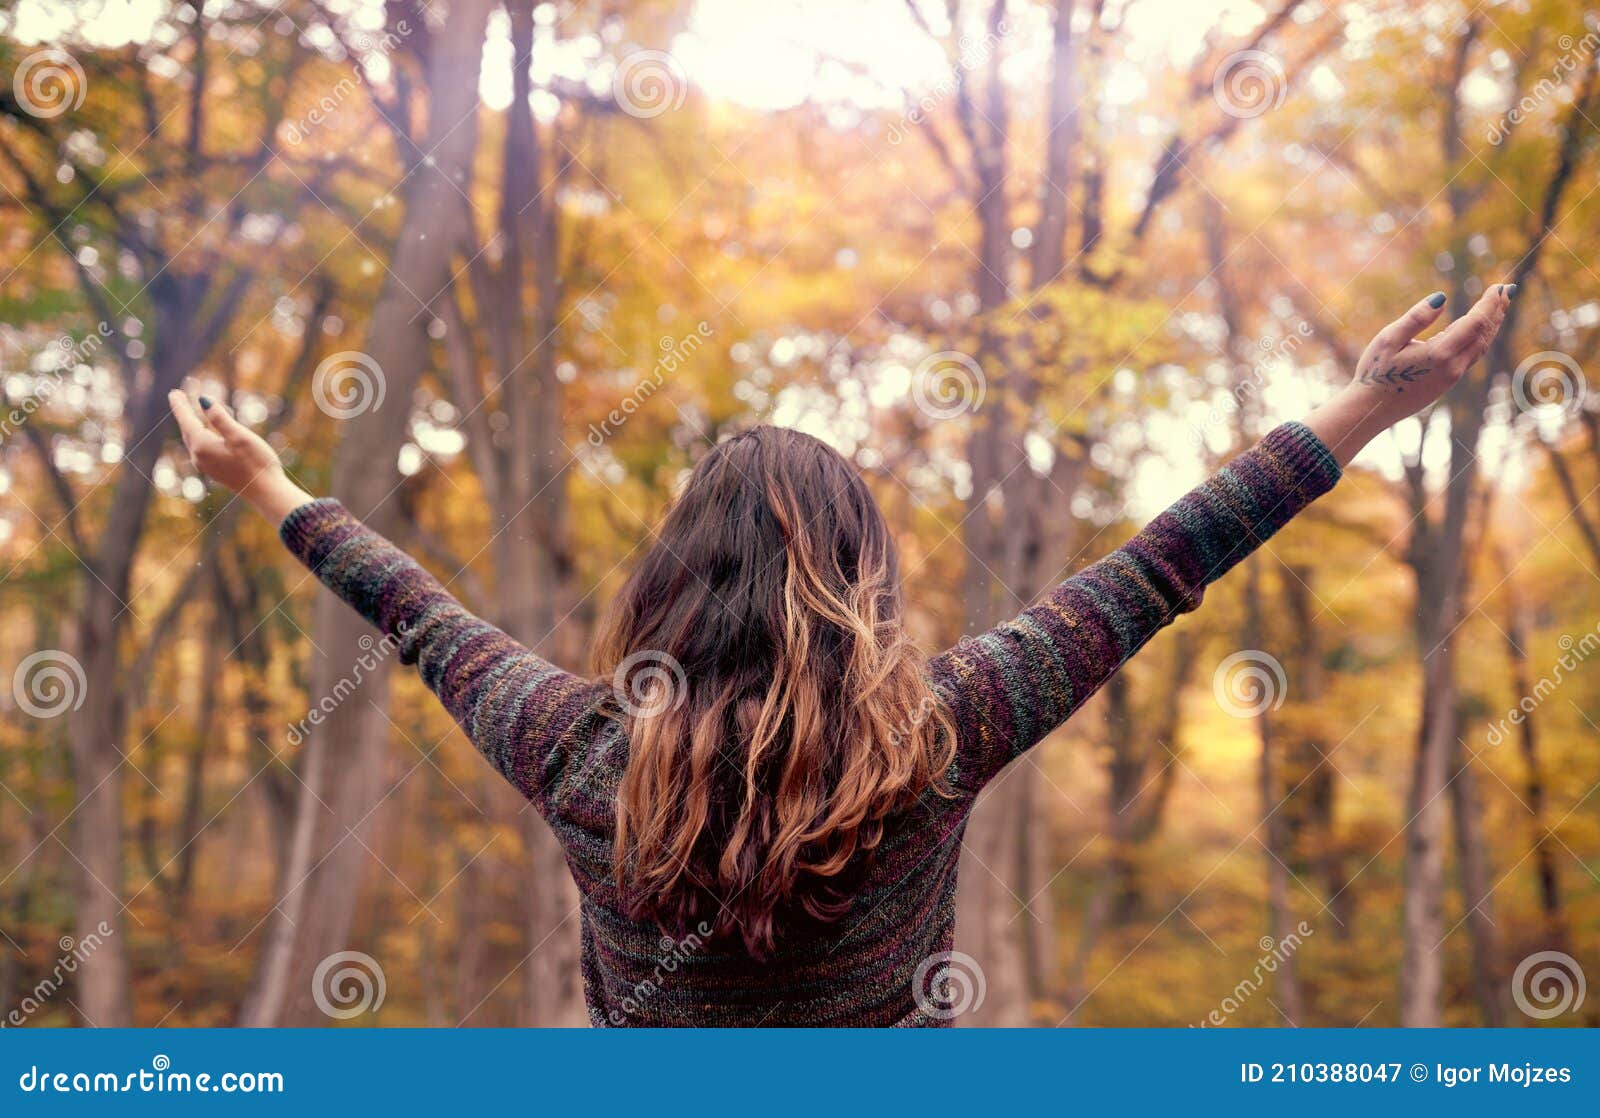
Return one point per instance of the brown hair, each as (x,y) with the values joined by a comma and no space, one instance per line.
(775,708)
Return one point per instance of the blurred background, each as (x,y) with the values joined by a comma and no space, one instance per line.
(496,272)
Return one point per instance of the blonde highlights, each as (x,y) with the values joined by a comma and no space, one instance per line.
(756,797)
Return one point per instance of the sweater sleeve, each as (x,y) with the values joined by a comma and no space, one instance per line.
(1011,686)
(514,705)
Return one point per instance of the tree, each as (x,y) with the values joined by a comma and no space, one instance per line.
(160,247)
(342,766)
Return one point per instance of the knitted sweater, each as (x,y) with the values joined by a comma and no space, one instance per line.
(885,962)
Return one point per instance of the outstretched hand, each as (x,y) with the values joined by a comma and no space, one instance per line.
(1402,375)
(1398,375)
(230,454)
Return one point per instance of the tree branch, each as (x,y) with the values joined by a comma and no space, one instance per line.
(59,487)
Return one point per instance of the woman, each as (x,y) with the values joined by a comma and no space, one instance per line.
(762,793)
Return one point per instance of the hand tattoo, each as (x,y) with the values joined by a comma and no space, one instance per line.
(1393,377)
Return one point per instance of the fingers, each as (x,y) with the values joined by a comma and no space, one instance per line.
(1469,336)
(1395,335)
(189,422)
(219,418)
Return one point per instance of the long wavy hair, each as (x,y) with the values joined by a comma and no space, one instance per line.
(776,710)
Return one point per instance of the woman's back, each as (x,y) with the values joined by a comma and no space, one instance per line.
(857,970)
(765,821)
(882,956)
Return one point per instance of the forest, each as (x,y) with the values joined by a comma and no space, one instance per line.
(497,273)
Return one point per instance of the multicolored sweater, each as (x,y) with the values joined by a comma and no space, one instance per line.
(885,962)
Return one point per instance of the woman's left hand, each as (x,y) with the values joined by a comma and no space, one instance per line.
(1398,374)
(229,453)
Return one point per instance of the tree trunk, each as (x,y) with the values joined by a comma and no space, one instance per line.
(1477,884)
(1280,908)
(1534,781)
(528,496)
(1575,500)
(104,998)
(1435,552)
(987,901)
(1435,555)
(1309,807)
(342,761)
(190,824)
(98,726)
(1136,804)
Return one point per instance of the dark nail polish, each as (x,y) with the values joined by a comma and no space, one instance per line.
(205,401)
(1511,290)
(1436,300)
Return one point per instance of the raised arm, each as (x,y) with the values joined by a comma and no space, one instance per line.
(1014,684)
(1011,686)
(514,705)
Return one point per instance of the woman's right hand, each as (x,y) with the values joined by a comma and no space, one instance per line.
(1399,375)
(229,453)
